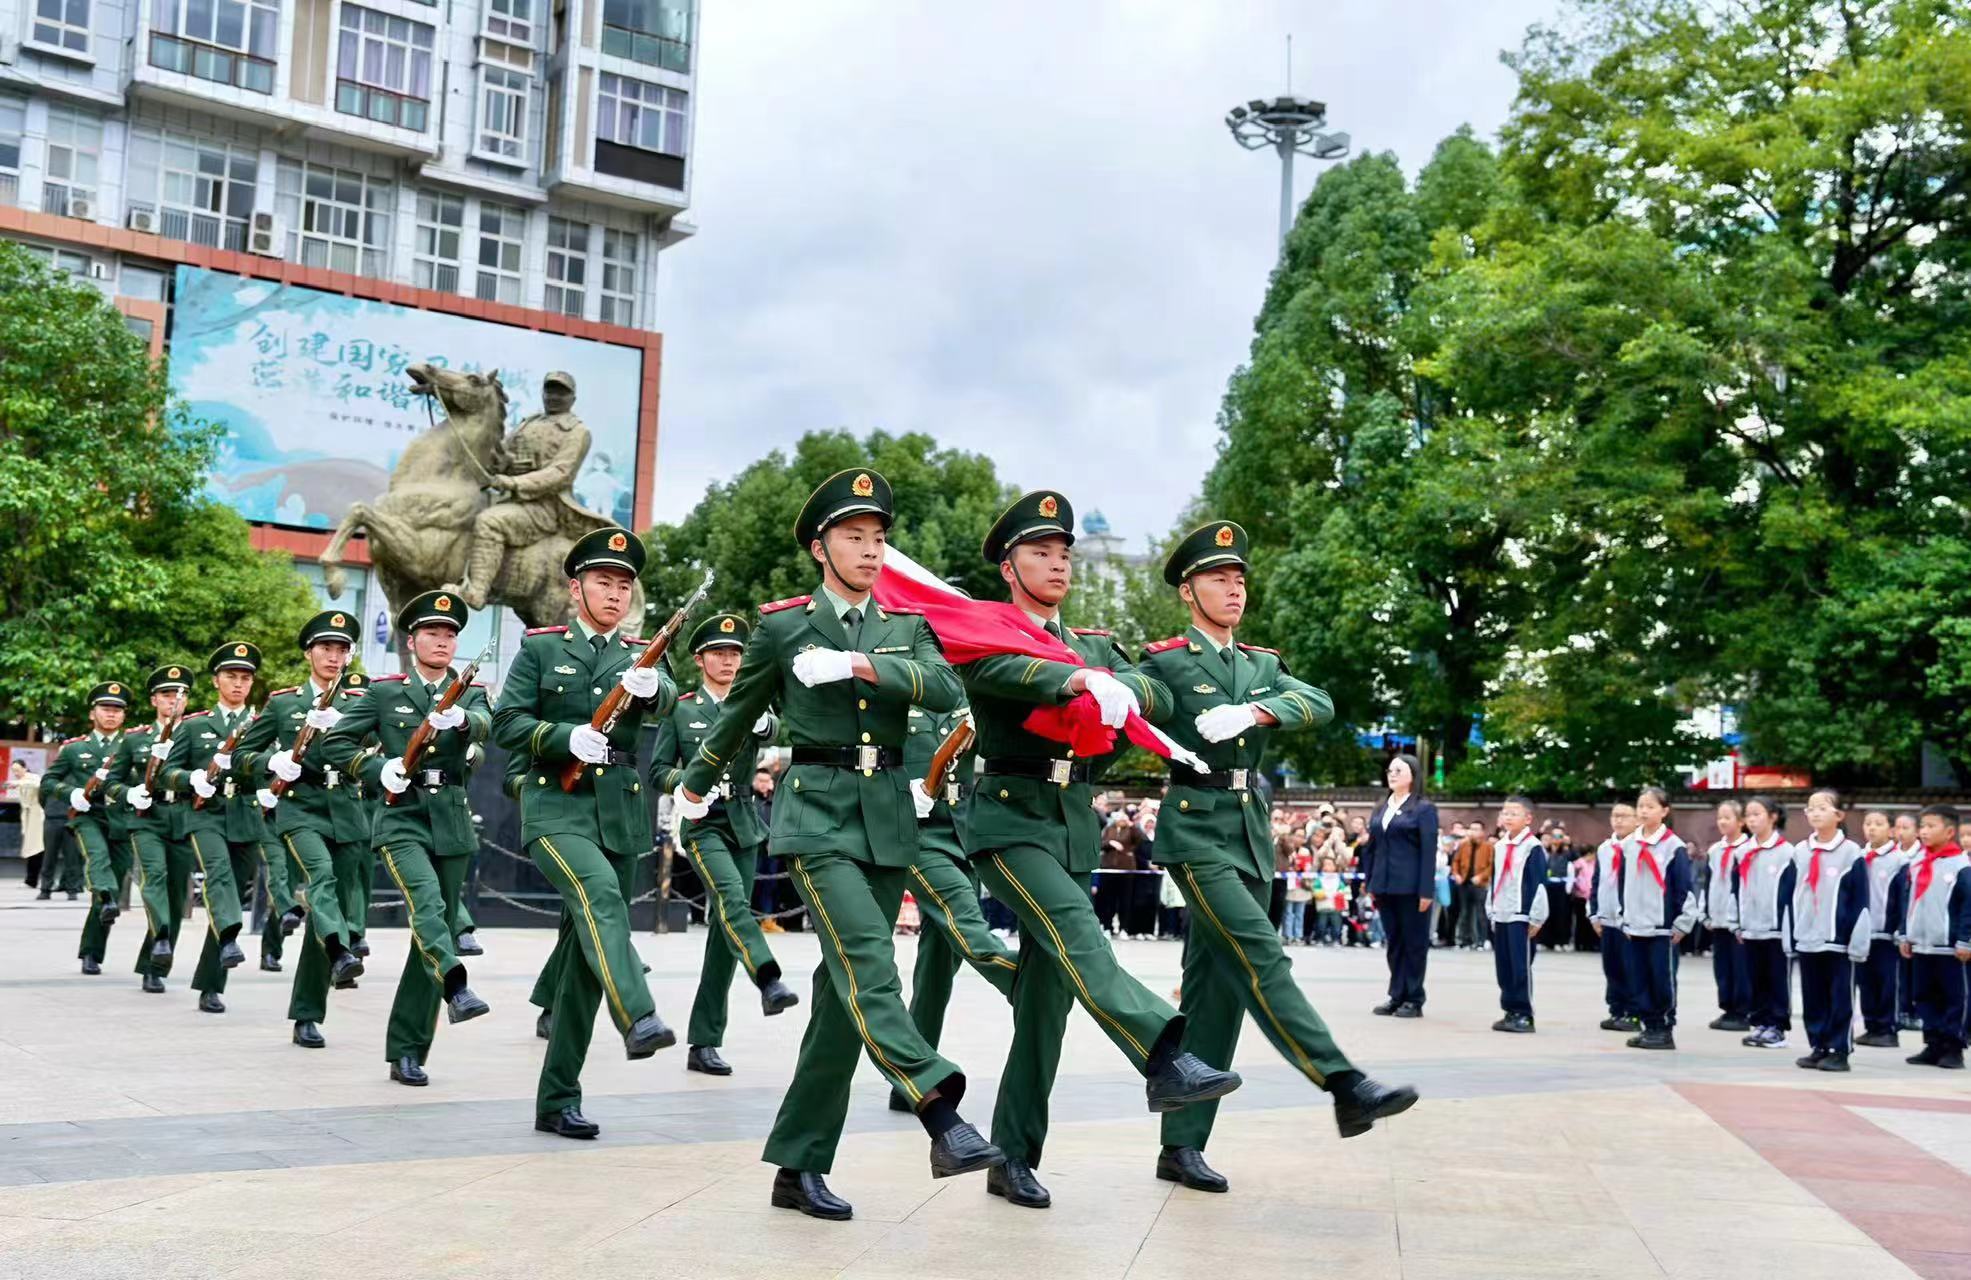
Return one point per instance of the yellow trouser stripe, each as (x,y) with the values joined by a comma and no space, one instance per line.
(595,934)
(137,860)
(951,926)
(1061,953)
(725,921)
(410,910)
(87,882)
(210,922)
(1252,975)
(855,1009)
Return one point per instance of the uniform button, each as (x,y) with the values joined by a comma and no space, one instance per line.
(862,704)
(1243,797)
(1242,742)
(596,692)
(1002,793)
(542,781)
(865,737)
(598,771)
(1183,804)
(636,786)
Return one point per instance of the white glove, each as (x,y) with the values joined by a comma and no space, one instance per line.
(393,778)
(323,719)
(449,718)
(266,798)
(285,766)
(688,809)
(763,725)
(77,801)
(1228,721)
(202,785)
(639,682)
(1113,697)
(224,759)
(923,800)
(139,797)
(823,666)
(588,745)
(159,750)
(102,774)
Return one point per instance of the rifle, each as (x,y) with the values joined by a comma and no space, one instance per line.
(618,698)
(164,732)
(95,782)
(954,745)
(422,736)
(225,748)
(279,786)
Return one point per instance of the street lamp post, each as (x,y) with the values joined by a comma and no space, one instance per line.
(1291,126)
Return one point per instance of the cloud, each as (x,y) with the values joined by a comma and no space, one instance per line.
(1019,227)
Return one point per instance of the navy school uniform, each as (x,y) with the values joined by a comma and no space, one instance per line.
(1905,965)
(1830,928)
(1721,918)
(1937,923)
(1763,889)
(1605,909)
(1516,904)
(1658,899)
(1879,976)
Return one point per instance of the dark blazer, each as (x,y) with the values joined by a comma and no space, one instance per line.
(1403,859)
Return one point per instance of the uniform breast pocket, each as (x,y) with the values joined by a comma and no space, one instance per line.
(1194,799)
(805,803)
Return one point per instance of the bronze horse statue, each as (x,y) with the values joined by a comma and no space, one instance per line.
(419,532)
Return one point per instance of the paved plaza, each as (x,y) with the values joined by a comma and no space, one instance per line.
(139,1138)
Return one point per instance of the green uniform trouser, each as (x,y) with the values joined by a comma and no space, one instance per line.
(164,877)
(430,886)
(592,959)
(549,977)
(858,1003)
(328,872)
(280,896)
(67,864)
(1235,964)
(108,862)
(357,906)
(954,932)
(1065,956)
(222,906)
(462,921)
(243,870)
(732,935)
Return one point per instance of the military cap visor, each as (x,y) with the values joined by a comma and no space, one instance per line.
(329,624)
(566,381)
(845,494)
(611,548)
(720,631)
(235,655)
(1040,514)
(433,608)
(173,676)
(1210,546)
(111,693)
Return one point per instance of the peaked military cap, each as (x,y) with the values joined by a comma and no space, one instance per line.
(171,676)
(720,631)
(1209,546)
(1040,514)
(558,378)
(860,492)
(610,548)
(329,624)
(433,606)
(110,693)
(237,655)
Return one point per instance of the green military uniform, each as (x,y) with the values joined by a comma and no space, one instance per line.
(1215,837)
(724,846)
(586,841)
(162,859)
(321,822)
(94,832)
(426,839)
(844,822)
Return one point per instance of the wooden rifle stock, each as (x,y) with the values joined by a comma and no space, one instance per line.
(153,764)
(279,786)
(225,748)
(618,698)
(422,736)
(955,744)
(94,783)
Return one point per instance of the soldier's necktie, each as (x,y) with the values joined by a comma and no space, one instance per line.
(852,625)
(1053,626)
(596,643)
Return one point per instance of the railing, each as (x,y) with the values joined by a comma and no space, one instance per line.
(55,198)
(212,230)
(381,105)
(10,188)
(211,62)
(338,255)
(641,46)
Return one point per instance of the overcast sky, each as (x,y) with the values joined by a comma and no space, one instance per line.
(1020,227)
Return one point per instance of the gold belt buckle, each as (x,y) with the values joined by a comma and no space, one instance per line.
(1060,771)
(229,789)
(171,797)
(951,794)
(1239,780)
(331,778)
(868,758)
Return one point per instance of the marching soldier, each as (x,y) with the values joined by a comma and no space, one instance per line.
(954,930)
(1215,839)
(156,839)
(425,837)
(320,819)
(76,763)
(587,841)
(1032,832)
(844,672)
(725,845)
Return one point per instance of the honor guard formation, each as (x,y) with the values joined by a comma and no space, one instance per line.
(935,748)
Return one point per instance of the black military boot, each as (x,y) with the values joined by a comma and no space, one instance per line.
(1187,1165)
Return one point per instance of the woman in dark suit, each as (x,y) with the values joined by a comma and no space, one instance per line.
(1402,857)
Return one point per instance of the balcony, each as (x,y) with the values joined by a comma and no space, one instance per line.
(210,62)
(381,105)
(656,33)
(66,201)
(642,46)
(214,231)
(10,188)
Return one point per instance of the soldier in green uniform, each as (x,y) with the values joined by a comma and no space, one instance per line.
(76,762)
(1033,834)
(157,849)
(845,672)
(198,768)
(320,820)
(465,931)
(1215,837)
(587,841)
(725,845)
(426,837)
(946,887)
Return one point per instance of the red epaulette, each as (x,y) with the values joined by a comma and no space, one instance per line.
(691,696)
(906,610)
(1090,631)
(388,679)
(547,631)
(1258,648)
(79,737)
(634,640)
(354,693)
(793,602)
(1175,642)
(278,692)
(478,684)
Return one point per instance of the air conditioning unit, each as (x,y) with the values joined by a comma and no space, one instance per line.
(264,238)
(263,222)
(82,207)
(143,221)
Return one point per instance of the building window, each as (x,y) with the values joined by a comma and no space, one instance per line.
(141,283)
(440,234)
(618,277)
(383,68)
(62,24)
(510,20)
(196,190)
(76,264)
(649,117)
(335,218)
(13,123)
(225,41)
(503,112)
(567,265)
(654,31)
(502,236)
(75,142)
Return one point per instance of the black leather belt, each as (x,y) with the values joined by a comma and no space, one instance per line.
(1224,780)
(620,757)
(1059,772)
(865,758)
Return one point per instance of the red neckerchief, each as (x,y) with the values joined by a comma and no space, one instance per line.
(1512,847)
(1646,850)
(1725,853)
(1615,863)
(1928,867)
(1813,862)
(1751,855)
(1870,854)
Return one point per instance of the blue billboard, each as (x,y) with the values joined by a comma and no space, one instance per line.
(312,391)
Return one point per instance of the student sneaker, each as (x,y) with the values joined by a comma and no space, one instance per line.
(1729,1022)
(1927,1057)
(1812,1061)
(1757,1040)
(1953,1060)
(1879,1040)
(1621,1024)
(1834,1062)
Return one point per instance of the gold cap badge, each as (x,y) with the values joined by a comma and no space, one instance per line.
(863,486)
(116,688)
(172,674)
(725,625)
(239,651)
(337,621)
(617,542)
(443,604)
(1049,508)
(1224,538)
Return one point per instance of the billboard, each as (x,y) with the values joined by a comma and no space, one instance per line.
(311,389)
